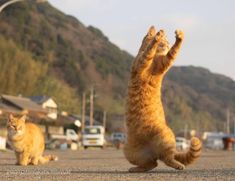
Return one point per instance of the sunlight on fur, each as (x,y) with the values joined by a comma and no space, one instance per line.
(27,140)
(149,137)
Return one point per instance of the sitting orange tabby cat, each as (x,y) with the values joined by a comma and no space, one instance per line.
(149,137)
(27,140)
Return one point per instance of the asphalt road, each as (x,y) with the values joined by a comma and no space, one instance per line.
(110,164)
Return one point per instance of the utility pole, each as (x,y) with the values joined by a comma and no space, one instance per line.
(228,121)
(104,120)
(234,126)
(83,110)
(185,130)
(91,106)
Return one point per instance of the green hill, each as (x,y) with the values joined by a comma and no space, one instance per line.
(78,56)
(199,97)
(44,51)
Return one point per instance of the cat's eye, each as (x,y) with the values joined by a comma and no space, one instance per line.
(13,126)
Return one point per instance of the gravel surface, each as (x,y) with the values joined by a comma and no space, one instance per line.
(110,164)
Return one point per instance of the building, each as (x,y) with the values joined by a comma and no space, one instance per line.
(47,103)
(21,105)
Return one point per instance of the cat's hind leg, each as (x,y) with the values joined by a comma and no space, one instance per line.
(165,147)
(174,164)
(142,157)
(144,168)
(170,161)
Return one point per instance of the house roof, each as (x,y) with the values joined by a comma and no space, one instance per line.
(8,108)
(40,99)
(22,103)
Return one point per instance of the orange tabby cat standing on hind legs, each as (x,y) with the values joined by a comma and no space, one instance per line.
(27,140)
(149,137)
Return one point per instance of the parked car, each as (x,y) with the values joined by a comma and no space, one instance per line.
(182,143)
(214,140)
(118,138)
(93,136)
(214,143)
(57,141)
(70,134)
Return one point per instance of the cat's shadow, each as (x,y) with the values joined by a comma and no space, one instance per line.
(192,172)
(196,172)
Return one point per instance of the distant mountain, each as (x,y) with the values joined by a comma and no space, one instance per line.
(63,58)
(79,57)
(204,97)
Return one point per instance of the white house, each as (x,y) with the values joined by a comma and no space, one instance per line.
(47,103)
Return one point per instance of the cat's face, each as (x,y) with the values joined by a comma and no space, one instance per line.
(163,46)
(16,126)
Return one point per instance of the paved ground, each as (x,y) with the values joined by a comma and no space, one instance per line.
(109,164)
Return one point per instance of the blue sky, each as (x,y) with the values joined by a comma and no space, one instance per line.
(209,26)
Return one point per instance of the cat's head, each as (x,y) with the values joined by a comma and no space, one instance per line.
(163,46)
(16,125)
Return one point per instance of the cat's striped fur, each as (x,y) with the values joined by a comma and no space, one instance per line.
(149,137)
(27,140)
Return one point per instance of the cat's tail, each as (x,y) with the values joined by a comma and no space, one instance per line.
(192,154)
(47,158)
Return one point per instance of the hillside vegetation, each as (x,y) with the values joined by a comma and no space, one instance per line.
(44,51)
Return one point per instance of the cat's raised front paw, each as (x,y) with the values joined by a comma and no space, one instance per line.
(179,34)
(160,34)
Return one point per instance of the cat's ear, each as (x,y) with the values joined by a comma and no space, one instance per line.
(10,117)
(23,118)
